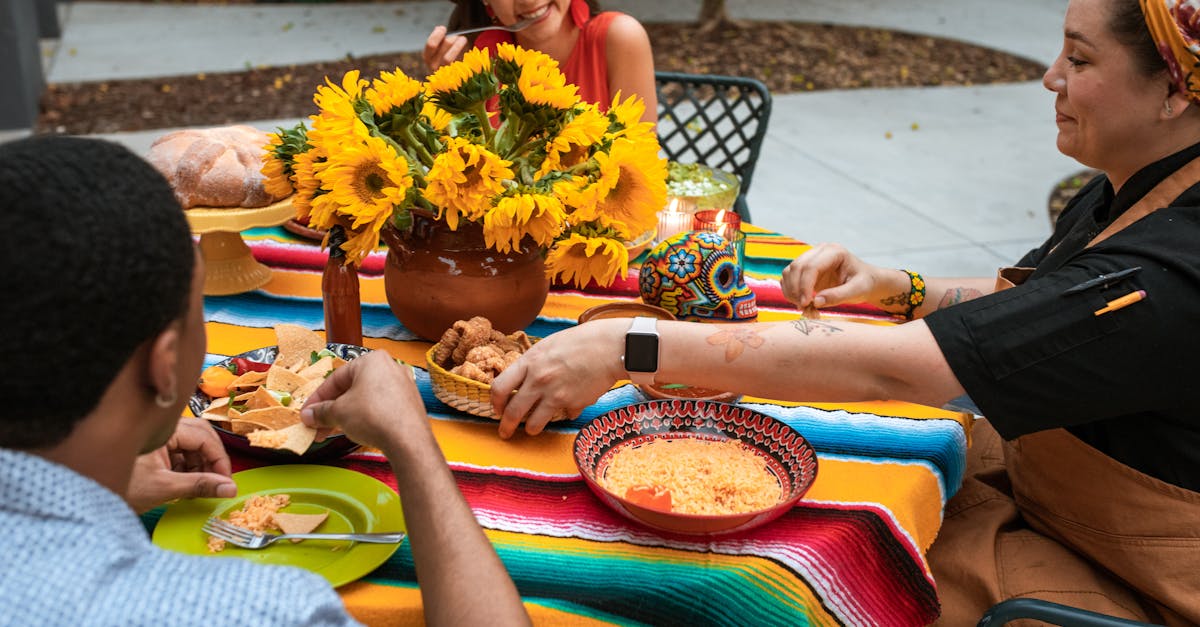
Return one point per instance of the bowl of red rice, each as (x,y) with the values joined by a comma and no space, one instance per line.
(695,467)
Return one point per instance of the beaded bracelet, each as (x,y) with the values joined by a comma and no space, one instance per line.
(916,293)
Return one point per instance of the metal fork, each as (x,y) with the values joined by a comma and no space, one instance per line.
(512,28)
(247,539)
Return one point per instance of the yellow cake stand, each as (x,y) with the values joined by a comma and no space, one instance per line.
(230,268)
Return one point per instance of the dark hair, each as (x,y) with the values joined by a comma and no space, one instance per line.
(98,259)
(1128,24)
(472,14)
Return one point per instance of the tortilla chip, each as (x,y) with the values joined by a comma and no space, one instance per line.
(258,399)
(300,437)
(296,342)
(299,523)
(248,381)
(246,427)
(319,369)
(302,393)
(218,410)
(281,379)
(296,438)
(274,417)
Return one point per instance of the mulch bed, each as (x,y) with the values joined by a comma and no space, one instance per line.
(787,56)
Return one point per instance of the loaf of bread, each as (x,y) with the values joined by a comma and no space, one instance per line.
(214,167)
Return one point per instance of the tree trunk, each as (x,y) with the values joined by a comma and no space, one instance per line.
(712,15)
(712,11)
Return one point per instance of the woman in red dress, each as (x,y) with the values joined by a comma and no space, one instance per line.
(603,53)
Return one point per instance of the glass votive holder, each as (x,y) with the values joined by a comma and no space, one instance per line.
(725,223)
(676,218)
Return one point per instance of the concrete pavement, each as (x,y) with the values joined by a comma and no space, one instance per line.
(948,180)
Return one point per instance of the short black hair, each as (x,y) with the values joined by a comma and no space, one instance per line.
(97,259)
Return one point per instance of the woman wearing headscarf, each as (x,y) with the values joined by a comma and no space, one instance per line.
(603,53)
(1083,483)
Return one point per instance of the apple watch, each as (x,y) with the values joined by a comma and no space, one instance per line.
(641,350)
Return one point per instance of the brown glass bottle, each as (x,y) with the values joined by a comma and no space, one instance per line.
(339,290)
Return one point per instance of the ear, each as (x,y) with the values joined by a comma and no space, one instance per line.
(163,361)
(1176,103)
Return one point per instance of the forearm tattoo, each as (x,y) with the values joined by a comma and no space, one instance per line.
(736,341)
(956,295)
(898,299)
(810,327)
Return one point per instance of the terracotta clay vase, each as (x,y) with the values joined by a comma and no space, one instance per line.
(434,277)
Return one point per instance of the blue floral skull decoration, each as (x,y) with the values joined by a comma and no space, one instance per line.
(695,275)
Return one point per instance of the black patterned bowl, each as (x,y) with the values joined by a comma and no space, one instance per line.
(333,447)
(784,452)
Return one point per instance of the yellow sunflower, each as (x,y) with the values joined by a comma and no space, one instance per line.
(391,91)
(631,188)
(573,143)
(275,167)
(463,84)
(438,118)
(366,179)
(627,116)
(336,119)
(540,81)
(464,178)
(539,216)
(305,180)
(579,259)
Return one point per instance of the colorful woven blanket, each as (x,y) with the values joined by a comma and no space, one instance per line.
(852,552)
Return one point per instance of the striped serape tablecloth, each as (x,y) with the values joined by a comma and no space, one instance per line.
(852,552)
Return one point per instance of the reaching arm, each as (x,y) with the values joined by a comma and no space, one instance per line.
(376,402)
(801,360)
(829,275)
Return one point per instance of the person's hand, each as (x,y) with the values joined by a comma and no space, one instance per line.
(564,372)
(192,464)
(373,399)
(827,275)
(442,50)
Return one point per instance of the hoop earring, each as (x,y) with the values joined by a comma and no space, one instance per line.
(166,402)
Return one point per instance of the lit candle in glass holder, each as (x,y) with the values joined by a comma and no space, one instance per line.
(676,218)
(725,223)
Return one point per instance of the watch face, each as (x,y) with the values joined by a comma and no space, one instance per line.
(641,352)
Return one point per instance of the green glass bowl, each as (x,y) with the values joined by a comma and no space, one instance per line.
(705,187)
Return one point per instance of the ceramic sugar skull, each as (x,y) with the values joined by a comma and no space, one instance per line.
(695,275)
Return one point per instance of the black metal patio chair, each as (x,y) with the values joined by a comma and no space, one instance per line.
(1053,613)
(718,121)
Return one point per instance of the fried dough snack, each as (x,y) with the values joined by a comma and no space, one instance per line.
(473,349)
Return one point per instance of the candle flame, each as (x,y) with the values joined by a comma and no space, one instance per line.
(720,217)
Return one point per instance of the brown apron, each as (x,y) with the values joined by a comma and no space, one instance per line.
(1049,517)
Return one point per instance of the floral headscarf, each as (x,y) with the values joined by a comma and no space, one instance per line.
(1175,27)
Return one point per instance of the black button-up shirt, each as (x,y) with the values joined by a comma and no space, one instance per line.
(1035,357)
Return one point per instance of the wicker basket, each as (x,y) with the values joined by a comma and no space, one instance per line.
(465,394)
(458,391)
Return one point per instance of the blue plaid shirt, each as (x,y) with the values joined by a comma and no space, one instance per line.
(76,554)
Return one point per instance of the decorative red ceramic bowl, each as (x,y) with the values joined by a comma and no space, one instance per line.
(785,453)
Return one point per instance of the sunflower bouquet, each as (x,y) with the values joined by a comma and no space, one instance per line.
(503,142)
